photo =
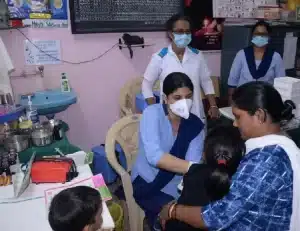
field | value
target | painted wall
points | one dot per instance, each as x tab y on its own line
97	83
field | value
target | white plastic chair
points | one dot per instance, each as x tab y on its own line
128	94
134	86
125	132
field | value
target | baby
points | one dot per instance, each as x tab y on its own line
210	181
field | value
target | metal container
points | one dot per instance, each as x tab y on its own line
42	136
48	125
16	142
6	99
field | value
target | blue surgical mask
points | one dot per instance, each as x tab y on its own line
260	41
182	40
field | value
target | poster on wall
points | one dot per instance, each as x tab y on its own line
40	13
239	8
42	52
207	30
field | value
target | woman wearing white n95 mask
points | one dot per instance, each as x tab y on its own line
178	57
170	140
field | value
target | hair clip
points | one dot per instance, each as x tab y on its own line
222	161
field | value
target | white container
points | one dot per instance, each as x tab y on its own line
288	94
288	87
287	83
297	111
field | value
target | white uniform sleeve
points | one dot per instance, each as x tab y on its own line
151	74
205	79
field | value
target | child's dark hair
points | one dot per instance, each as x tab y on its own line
223	150
74	208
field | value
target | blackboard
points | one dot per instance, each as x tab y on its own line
97	16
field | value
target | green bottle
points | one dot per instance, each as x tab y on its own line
65	86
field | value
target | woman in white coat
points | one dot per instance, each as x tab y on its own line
178	57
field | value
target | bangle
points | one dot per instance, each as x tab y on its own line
213	106
171	209
175	211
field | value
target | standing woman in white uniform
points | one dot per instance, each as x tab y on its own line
178	57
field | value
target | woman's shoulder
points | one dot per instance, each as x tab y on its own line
241	53
161	53
277	56
271	158
153	110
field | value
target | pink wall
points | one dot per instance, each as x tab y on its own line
97	84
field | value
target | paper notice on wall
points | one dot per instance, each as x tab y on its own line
238	8
42	52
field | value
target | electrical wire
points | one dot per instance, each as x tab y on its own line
65	61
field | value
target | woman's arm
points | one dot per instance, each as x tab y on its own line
150	76
221	214
190	215
151	140
205	80
195	150
208	87
173	164
235	73
279	66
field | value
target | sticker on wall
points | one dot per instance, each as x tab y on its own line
40	13
42	52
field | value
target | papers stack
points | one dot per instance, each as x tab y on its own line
289	89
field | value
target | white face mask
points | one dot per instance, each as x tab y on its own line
182	108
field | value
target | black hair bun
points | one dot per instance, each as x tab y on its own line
287	112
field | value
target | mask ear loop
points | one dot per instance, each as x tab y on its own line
164	98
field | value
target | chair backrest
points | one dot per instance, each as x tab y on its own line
134	86
128	94
125	132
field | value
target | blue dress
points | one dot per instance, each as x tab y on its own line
260	196
154	187
241	73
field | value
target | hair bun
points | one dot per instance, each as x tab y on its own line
287	112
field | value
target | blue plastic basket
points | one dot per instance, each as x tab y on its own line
141	103
101	165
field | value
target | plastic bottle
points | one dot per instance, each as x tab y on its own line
31	112
65	86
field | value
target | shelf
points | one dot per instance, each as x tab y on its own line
15	27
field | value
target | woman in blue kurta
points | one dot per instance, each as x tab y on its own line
257	62
170	140
265	190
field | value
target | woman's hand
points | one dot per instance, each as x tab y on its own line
213	112
188	214
164	213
